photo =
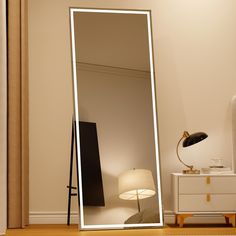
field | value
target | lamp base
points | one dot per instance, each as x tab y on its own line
191	171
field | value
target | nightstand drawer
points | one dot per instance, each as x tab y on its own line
207	184
207	203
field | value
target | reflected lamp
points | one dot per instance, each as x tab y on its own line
189	140
136	184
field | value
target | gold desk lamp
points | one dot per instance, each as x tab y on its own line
188	141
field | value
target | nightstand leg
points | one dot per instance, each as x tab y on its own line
232	217
176	219
226	220
181	219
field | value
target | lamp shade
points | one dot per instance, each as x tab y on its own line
136	183
194	138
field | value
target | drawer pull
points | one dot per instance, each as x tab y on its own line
208	179
208	197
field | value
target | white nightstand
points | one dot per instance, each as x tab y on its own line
203	194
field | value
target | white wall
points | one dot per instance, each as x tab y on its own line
3	120
194	49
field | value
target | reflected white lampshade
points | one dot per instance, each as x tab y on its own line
136	184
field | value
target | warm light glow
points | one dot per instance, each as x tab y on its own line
136	183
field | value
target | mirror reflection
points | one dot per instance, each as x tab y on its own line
115	106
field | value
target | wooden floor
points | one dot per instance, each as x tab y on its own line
63	230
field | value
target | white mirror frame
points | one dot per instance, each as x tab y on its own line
80	190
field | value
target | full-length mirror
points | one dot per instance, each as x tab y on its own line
116	123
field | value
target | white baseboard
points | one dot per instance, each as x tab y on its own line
52	217
61	218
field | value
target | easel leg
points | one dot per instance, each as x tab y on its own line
70	177
77	164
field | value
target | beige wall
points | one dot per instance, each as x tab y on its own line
3	119
194	49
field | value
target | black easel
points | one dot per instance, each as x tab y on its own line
70	187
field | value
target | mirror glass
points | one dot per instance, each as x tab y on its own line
116	123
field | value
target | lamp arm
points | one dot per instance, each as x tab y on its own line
177	152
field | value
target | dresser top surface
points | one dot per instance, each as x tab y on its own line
198	175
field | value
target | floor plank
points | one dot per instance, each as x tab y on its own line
64	230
